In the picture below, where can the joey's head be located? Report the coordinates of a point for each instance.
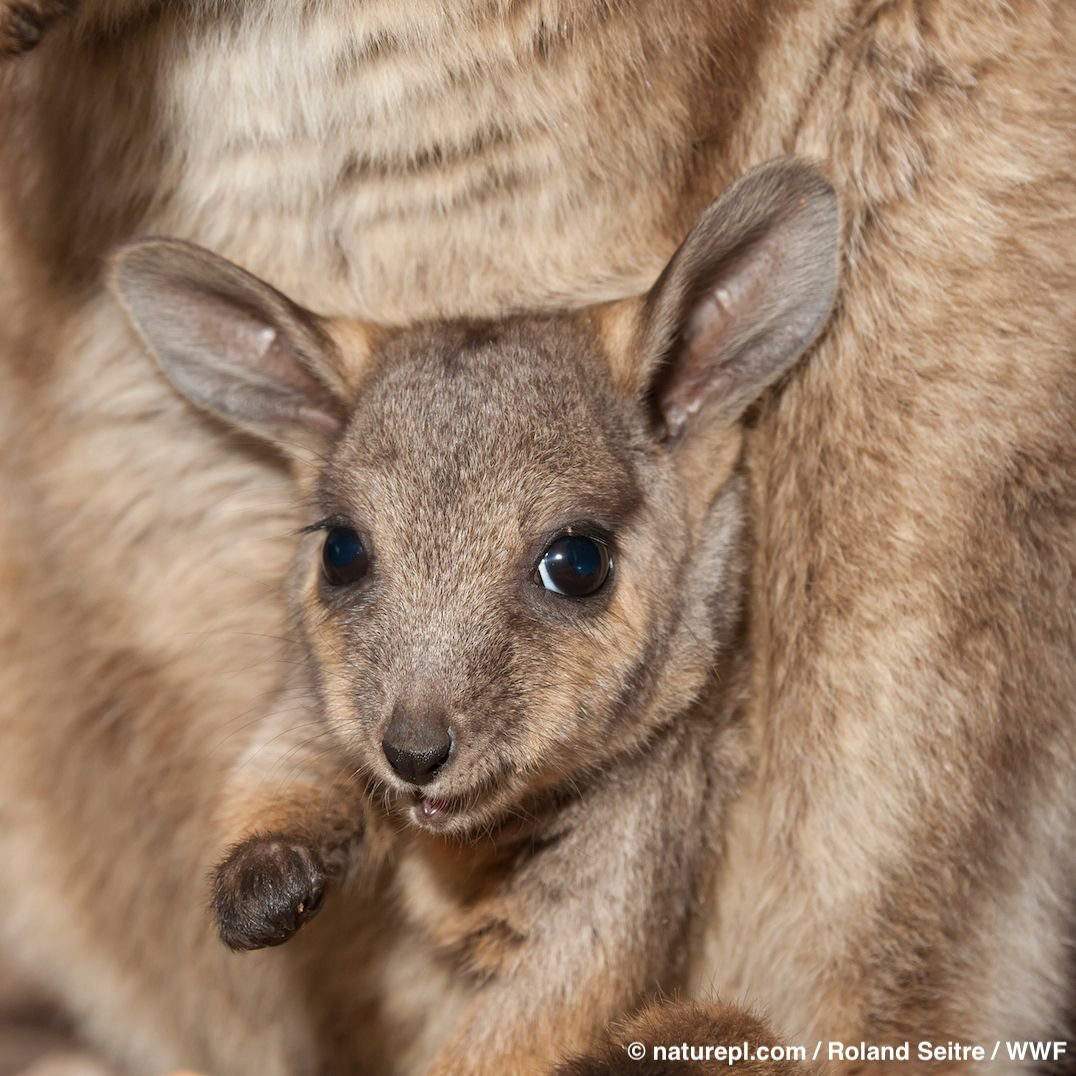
(522, 552)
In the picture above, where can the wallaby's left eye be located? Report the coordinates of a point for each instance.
(574, 565)
(343, 557)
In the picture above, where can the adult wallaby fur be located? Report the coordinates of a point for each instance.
(898, 862)
(553, 755)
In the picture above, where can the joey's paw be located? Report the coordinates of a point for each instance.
(23, 22)
(265, 890)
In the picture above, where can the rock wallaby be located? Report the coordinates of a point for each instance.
(522, 571)
(898, 860)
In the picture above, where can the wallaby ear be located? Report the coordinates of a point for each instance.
(744, 296)
(232, 344)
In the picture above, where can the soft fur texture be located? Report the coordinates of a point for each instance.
(685, 1023)
(24, 22)
(900, 862)
(591, 743)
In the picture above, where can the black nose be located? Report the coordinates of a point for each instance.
(417, 744)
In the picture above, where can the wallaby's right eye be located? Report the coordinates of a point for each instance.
(343, 557)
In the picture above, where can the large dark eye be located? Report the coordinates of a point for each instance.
(574, 565)
(343, 557)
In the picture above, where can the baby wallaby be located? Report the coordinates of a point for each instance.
(516, 599)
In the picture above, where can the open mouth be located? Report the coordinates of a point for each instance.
(458, 812)
(433, 811)
(433, 808)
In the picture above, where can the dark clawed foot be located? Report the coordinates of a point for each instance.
(265, 890)
(23, 22)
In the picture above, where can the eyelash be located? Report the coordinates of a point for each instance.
(326, 524)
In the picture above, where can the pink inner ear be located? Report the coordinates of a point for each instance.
(246, 342)
(229, 342)
(257, 352)
(260, 377)
(683, 399)
(731, 311)
(697, 372)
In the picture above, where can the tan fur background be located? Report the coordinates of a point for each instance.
(901, 863)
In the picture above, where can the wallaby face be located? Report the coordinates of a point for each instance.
(520, 563)
(496, 558)
(522, 548)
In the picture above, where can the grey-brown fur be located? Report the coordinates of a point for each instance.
(24, 22)
(593, 739)
(910, 610)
